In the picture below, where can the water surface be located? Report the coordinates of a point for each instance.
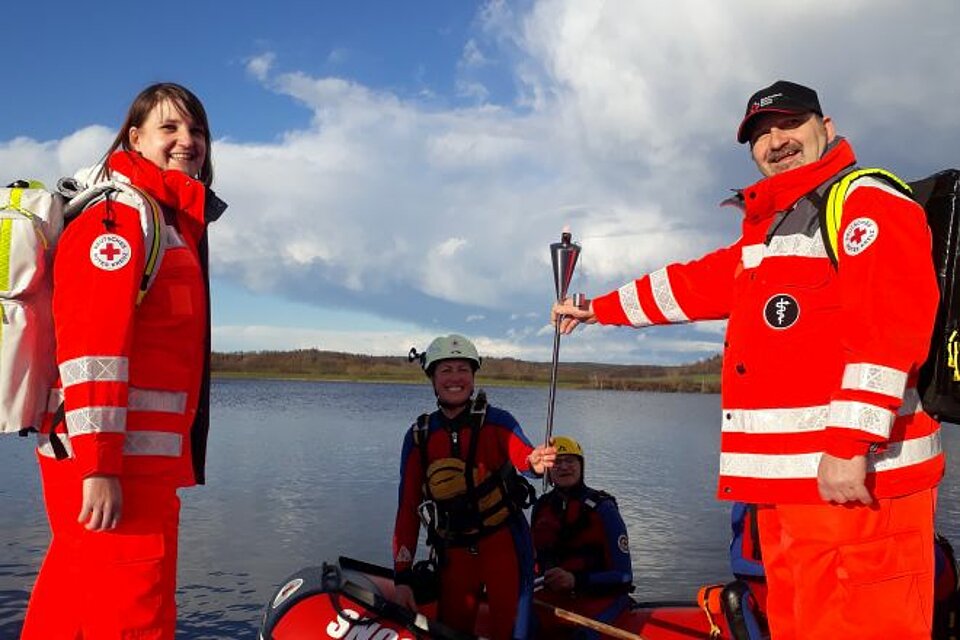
(301, 472)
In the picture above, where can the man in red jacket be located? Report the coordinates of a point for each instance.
(822, 425)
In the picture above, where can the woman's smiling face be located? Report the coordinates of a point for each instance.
(170, 139)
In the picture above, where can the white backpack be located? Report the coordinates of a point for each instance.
(31, 221)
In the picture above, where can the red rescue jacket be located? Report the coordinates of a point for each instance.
(134, 380)
(816, 358)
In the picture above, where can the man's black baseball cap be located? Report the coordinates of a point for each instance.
(780, 97)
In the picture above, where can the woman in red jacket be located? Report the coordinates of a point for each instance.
(132, 327)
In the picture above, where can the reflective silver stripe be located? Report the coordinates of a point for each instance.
(804, 465)
(45, 449)
(769, 466)
(630, 303)
(94, 369)
(751, 255)
(136, 443)
(804, 419)
(797, 245)
(153, 443)
(865, 376)
(138, 400)
(663, 296)
(902, 454)
(793, 245)
(788, 420)
(871, 181)
(861, 415)
(96, 420)
(152, 400)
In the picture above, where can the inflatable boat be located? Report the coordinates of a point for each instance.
(351, 599)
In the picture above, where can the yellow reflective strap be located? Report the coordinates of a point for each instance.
(6, 236)
(16, 204)
(15, 199)
(153, 253)
(834, 211)
(838, 195)
(953, 351)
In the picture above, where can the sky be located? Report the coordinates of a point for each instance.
(397, 170)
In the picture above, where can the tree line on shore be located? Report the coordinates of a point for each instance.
(701, 376)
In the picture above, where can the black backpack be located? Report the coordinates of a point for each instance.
(939, 194)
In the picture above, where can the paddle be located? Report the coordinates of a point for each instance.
(590, 623)
(564, 255)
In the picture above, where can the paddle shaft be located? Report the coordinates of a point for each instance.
(553, 394)
(590, 623)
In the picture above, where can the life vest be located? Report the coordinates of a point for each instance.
(745, 558)
(460, 506)
(560, 524)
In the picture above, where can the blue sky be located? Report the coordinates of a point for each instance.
(396, 170)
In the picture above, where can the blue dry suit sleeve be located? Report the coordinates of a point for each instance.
(620, 571)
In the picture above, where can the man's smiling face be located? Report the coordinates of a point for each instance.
(783, 141)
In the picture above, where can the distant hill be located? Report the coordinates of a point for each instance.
(702, 376)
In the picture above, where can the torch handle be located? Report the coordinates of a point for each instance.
(553, 393)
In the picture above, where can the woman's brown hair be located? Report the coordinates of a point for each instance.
(184, 101)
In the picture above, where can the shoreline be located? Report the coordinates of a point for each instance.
(706, 384)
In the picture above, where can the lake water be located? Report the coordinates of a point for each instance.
(301, 472)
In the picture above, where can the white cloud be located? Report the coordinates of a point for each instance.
(259, 66)
(472, 55)
(622, 126)
(50, 161)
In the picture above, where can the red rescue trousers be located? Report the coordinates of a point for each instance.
(863, 572)
(108, 585)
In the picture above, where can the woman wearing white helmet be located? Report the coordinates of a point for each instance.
(459, 471)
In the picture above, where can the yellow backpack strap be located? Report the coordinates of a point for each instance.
(154, 240)
(6, 238)
(833, 211)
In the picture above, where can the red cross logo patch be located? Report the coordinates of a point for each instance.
(110, 252)
(859, 235)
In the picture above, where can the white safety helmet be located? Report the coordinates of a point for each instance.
(451, 347)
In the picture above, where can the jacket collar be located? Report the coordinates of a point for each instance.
(173, 189)
(780, 192)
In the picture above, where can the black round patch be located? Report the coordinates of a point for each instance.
(781, 311)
